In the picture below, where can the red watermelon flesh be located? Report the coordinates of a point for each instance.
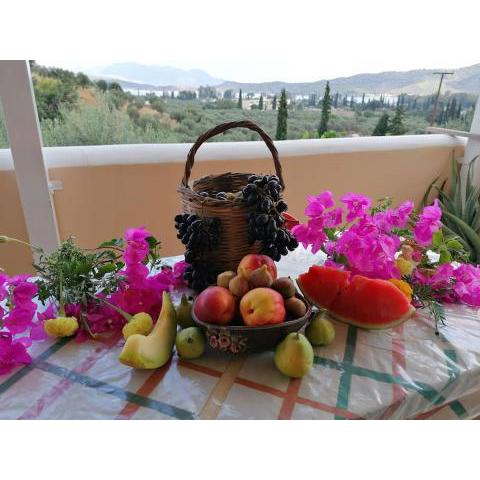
(321, 285)
(361, 301)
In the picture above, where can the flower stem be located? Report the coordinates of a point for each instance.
(125, 314)
(5, 239)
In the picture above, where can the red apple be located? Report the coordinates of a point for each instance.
(252, 261)
(215, 305)
(262, 306)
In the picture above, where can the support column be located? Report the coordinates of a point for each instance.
(472, 149)
(20, 111)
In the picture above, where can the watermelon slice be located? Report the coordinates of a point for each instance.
(357, 300)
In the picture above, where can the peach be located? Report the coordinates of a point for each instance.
(215, 305)
(262, 306)
(252, 261)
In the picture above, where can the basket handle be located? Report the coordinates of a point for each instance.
(223, 127)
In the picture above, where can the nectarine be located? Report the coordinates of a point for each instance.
(215, 305)
(262, 306)
(252, 261)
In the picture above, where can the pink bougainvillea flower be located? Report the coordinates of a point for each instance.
(318, 204)
(401, 215)
(37, 332)
(310, 234)
(467, 284)
(3, 286)
(12, 353)
(20, 316)
(136, 248)
(357, 205)
(428, 223)
(333, 218)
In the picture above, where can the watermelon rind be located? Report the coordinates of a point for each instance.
(349, 321)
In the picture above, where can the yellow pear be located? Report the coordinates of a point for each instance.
(294, 356)
(153, 350)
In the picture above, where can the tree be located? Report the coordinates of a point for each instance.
(274, 102)
(352, 102)
(240, 101)
(102, 85)
(282, 117)
(326, 109)
(83, 79)
(260, 103)
(335, 100)
(381, 129)
(397, 126)
(228, 94)
(115, 86)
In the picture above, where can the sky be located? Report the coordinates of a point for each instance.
(246, 40)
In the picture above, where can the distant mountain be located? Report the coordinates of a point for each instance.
(155, 75)
(419, 82)
(416, 82)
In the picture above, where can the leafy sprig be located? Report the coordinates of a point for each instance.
(427, 297)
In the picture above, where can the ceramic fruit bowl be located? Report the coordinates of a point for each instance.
(238, 338)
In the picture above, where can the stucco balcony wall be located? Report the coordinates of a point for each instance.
(109, 188)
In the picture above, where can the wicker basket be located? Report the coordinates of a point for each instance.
(233, 241)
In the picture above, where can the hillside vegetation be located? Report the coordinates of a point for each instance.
(73, 110)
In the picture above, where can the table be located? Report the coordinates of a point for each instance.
(406, 372)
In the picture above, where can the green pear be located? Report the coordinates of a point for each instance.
(190, 343)
(320, 331)
(294, 355)
(184, 313)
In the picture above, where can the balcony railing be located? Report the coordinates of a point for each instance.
(101, 190)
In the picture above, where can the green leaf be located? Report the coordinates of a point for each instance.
(437, 239)
(454, 244)
(470, 234)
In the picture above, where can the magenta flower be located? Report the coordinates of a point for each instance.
(20, 316)
(318, 204)
(310, 234)
(467, 284)
(12, 353)
(37, 332)
(427, 224)
(402, 214)
(137, 247)
(333, 218)
(357, 205)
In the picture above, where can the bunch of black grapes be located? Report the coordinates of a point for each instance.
(199, 235)
(266, 223)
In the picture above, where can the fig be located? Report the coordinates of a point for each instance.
(260, 278)
(238, 286)
(295, 307)
(224, 278)
(284, 286)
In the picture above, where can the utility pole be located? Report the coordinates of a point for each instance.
(434, 112)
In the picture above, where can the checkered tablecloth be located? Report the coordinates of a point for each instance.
(407, 372)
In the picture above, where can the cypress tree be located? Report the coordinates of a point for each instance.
(459, 110)
(282, 117)
(381, 129)
(274, 102)
(363, 100)
(240, 101)
(335, 100)
(260, 103)
(326, 109)
(352, 102)
(397, 126)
